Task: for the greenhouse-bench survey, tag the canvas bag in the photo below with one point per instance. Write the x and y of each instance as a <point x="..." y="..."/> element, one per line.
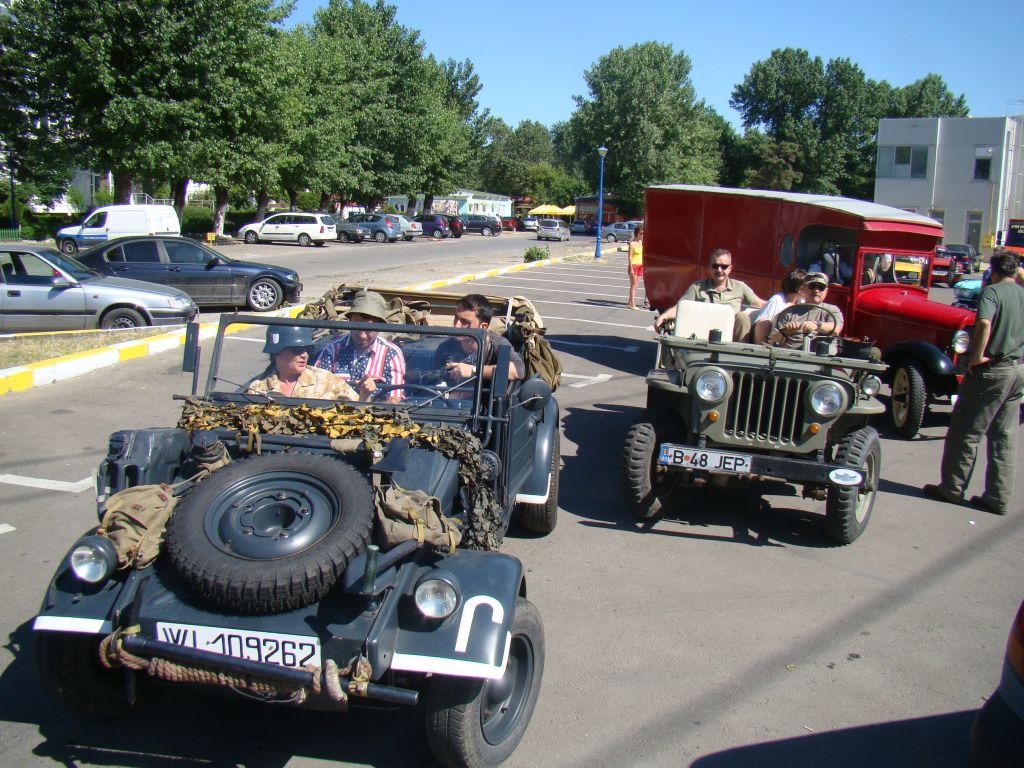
<point x="404" y="515"/>
<point x="134" y="520"/>
<point x="524" y="328"/>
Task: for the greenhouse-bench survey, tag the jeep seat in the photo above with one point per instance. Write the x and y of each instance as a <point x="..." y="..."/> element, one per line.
<point x="696" y="319"/>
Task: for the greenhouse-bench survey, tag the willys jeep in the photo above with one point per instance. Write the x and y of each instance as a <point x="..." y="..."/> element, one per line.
<point x="722" y="413"/>
<point x="285" y="572"/>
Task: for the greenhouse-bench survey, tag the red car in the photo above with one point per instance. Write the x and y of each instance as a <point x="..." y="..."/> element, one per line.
<point x="946" y="268"/>
<point x="511" y="224"/>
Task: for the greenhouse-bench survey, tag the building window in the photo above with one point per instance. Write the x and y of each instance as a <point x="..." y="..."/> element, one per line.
<point x="902" y="162"/>
<point x="982" y="163"/>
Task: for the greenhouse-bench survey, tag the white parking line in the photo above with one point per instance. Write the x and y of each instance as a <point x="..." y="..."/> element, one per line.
<point x="598" y="322"/>
<point x="559" y="343"/>
<point x="5" y="528"/>
<point x="555" y="290"/>
<point x="588" y="381"/>
<point x="48" y="485"/>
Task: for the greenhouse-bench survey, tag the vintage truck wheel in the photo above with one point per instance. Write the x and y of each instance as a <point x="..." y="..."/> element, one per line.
<point x="908" y="399"/>
<point x="271" y="533"/>
<point x="473" y="722"/>
<point x="69" y="667"/>
<point x="645" y="491"/>
<point x="542" y="518"/>
<point x="848" y="509"/>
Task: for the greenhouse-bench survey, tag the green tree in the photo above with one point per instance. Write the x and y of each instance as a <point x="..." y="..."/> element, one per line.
<point x="643" y="107"/>
<point x="927" y="97"/>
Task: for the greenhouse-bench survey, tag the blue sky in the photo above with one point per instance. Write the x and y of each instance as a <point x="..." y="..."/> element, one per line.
<point x="531" y="56"/>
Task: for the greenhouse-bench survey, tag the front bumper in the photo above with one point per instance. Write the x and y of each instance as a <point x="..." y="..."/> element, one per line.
<point x="292" y="293"/>
<point x="169" y="316"/>
<point x="788" y="469"/>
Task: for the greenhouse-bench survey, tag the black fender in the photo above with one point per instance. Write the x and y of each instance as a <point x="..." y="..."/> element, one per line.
<point x="71" y="605"/>
<point x="537" y="485"/>
<point x="474" y="641"/>
<point x="934" y="361"/>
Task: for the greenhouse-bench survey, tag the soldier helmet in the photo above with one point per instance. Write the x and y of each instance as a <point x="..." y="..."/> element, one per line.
<point x="283" y="336"/>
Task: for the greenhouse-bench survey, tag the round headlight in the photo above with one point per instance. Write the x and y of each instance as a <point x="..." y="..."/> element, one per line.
<point x="94" y="559"/>
<point x="961" y="342"/>
<point x="870" y="385"/>
<point x="711" y="386"/>
<point x="436" y="598"/>
<point x="827" y="400"/>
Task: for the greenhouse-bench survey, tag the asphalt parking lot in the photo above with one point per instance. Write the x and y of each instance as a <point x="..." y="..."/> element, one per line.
<point x="728" y="633"/>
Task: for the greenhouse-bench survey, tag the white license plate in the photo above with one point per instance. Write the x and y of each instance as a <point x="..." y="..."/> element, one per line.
<point x="693" y="458"/>
<point x="294" y="651"/>
<point x="940" y="272"/>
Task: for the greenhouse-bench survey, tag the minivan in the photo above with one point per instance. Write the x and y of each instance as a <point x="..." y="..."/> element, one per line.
<point x="113" y="221"/>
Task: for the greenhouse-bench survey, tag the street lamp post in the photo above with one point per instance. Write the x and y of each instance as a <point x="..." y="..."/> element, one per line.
<point x="602" y="151"/>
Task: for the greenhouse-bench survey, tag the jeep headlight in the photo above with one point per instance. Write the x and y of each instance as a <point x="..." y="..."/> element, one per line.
<point x="437" y="595"/>
<point x="93" y="559"/>
<point x="961" y="342"/>
<point x="711" y="386"/>
<point x="827" y="400"/>
<point x="870" y="385"/>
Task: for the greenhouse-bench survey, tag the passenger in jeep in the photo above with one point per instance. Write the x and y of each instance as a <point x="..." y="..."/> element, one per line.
<point x="475" y="311"/>
<point x="290" y="373"/>
<point x="812" y="318"/>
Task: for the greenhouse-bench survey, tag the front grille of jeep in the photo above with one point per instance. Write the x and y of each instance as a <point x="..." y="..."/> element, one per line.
<point x="765" y="409"/>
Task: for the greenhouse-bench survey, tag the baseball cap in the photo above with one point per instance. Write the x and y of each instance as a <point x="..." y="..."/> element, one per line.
<point x="815" y="278"/>
<point x="370" y="304"/>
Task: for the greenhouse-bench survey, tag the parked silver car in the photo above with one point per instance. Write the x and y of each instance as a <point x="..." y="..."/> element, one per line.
<point x="410" y="228"/>
<point x="41" y="289"/>
<point x="552" y="229"/>
<point x="619" y="231"/>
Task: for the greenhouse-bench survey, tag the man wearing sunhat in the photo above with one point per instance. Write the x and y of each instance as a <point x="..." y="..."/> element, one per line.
<point x="812" y="318"/>
<point x="362" y="357"/>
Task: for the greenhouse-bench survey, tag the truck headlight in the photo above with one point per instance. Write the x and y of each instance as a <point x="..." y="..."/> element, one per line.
<point x="437" y="595"/>
<point x="961" y="342"/>
<point x="711" y="386"/>
<point x="94" y="559"/>
<point x="870" y="385"/>
<point x="827" y="400"/>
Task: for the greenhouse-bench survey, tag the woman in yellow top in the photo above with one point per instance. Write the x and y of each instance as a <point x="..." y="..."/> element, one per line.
<point x="636" y="265"/>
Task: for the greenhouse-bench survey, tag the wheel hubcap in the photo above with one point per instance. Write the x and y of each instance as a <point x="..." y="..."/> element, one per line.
<point x="263" y="296"/>
<point x="504" y="699"/>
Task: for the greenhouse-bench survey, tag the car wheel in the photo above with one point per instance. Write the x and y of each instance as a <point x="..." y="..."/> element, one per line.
<point x="271" y="533"/>
<point x="304" y="239"/>
<point x="848" y="508"/>
<point x="645" y="488"/>
<point x="70" y="670"/>
<point x="542" y="518"/>
<point x="481" y="722"/>
<point x="349" y="238"/>
<point x="251" y="237"/>
<point x="122" y="319"/>
<point x="486" y="231"/>
<point x="69" y="247"/>
<point x="437" y="234"/>
<point x="319" y="243"/>
<point x="908" y="399"/>
<point x="264" y="295"/>
<point x="457" y="235"/>
<point x="610" y="239"/>
<point x="408" y="238"/>
<point x="380" y="237"/>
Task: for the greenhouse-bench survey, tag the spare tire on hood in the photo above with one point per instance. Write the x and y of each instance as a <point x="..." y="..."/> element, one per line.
<point x="271" y="533"/>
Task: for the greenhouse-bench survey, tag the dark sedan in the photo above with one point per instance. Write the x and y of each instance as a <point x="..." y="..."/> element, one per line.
<point x="208" y="276"/>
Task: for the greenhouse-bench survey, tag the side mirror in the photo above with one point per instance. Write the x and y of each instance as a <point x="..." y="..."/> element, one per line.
<point x="534" y="394"/>
<point x="60" y="283"/>
<point x="213" y="262"/>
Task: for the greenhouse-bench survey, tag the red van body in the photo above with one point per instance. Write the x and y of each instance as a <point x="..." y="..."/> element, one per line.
<point x="852" y="241"/>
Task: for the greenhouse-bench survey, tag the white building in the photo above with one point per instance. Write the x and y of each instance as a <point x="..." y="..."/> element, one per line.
<point x="967" y="172"/>
<point x="459" y="202"/>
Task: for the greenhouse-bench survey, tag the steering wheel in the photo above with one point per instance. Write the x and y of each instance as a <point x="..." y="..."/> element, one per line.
<point x="383" y="388"/>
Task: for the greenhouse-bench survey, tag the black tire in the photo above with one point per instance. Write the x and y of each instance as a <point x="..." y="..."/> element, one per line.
<point x="408" y="238"/>
<point x="645" y="491"/>
<point x="304" y="239"/>
<point x="251" y="237"/>
<point x="457" y="235"/>
<point x="909" y="399"/>
<point x="70" y="670"/>
<point x="305" y="518"/>
<point x="611" y="239"/>
<point x="848" y="510"/>
<point x="472" y="722"/>
<point x="349" y="238"/>
<point x="122" y="319"/>
<point x="438" y="234"/>
<point x="264" y="295"/>
<point x="486" y="232"/>
<point x="542" y="518"/>
<point x="319" y="243"/>
<point x="380" y="237"/>
<point x="70" y="247"/>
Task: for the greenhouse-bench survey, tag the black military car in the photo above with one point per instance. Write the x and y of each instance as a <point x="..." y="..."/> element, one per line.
<point x="284" y="573"/>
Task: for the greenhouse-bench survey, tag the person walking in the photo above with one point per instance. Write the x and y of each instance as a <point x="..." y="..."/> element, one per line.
<point x="635" y="267"/>
<point x="989" y="399"/>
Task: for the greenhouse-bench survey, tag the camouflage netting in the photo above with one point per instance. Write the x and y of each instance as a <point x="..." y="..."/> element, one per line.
<point x="335" y="304"/>
<point x="376" y="427"/>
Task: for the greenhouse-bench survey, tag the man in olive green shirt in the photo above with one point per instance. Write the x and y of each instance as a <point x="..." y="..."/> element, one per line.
<point x="721" y="289"/>
<point x="988" y="402"/>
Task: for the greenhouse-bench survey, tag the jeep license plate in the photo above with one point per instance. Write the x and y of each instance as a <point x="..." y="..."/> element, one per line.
<point x="713" y="461"/>
<point x="295" y="651"/>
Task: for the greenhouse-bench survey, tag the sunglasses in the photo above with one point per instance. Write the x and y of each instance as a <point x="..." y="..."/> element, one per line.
<point x="300" y="350"/>
<point x="721" y="266"/>
<point x="817" y="287"/>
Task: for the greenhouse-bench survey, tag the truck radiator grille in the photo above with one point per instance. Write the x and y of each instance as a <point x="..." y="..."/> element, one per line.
<point x="765" y="409"/>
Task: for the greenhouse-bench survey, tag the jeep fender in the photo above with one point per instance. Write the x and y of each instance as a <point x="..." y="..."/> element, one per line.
<point x="472" y="642"/>
<point x="934" y="361"/>
<point x="72" y="606"/>
<point x="537" y="485"/>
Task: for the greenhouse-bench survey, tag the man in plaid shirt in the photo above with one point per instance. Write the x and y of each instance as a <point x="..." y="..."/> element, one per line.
<point x="362" y="357"/>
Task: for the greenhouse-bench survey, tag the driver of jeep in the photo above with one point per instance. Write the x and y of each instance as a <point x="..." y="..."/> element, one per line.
<point x="459" y="353"/>
<point x="289" y="372"/>
<point x="362" y="357"/>
<point x="812" y="318"/>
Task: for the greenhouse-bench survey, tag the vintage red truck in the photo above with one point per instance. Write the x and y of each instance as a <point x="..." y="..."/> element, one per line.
<point x="877" y="258"/>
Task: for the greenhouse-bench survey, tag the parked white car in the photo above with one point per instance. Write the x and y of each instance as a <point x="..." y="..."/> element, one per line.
<point x="301" y="228"/>
<point x="112" y="221"/>
<point x="552" y="229"/>
<point x="410" y="228"/>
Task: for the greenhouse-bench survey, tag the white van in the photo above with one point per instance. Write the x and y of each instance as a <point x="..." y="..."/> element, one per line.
<point x="112" y="221"/>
